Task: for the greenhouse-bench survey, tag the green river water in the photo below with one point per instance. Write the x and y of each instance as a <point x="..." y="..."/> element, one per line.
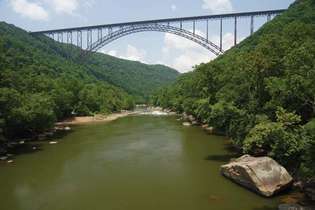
<point x="134" y="163"/>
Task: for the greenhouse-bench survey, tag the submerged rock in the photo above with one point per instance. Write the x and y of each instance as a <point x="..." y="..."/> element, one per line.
<point x="209" y="130"/>
<point x="309" y="189"/>
<point x="294" y="207"/>
<point x="186" y="124"/>
<point x="260" y="174"/>
<point x="3" y="158"/>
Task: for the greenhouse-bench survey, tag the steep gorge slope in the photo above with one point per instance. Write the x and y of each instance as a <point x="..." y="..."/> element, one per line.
<point x="260" y="93"/>
<point x="138" y="79"/>
<point x="42" y="81"/>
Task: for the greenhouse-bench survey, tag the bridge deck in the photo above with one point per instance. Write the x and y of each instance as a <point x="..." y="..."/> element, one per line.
<point x="169" y="20"/>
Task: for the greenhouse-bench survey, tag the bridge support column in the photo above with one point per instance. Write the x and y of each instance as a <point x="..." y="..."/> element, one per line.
<point x="89" y="38"/>
<point x="235" y="30"/>
<point x="221" y="34"/>
<point x="79" y="39"/>
<point x="268" y="17"/>
<point x="69" y="37"/>
<point x="251" y="25"/>
<point x="99" y="34"/>
<point x="207" y="28"/>
<point x="194" y="27"/>
<point x="110" y="30"/>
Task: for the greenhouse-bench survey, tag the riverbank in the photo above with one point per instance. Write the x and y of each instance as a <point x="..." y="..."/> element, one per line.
<point x="140" y="110"/>
<point x="94" y="119"/>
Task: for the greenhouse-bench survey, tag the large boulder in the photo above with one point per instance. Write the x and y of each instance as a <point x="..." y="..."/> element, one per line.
<point x="261" y="174"/>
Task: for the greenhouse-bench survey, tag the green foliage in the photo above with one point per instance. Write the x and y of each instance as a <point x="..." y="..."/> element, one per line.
<point x="32" y="115"/>
<point x="283" y="140"/>
<point x="42" y="81"/>
<point x="136" y="78"/>
<point x="222" y="114"/>
<point x="308" y="166"/>
<point x="246" y="91"/>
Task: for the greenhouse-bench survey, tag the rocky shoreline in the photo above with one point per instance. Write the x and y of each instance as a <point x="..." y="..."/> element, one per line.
<point x="306" y="188"/>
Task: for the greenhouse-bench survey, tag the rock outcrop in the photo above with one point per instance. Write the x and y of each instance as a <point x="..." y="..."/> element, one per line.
<point x="260" y="174"/>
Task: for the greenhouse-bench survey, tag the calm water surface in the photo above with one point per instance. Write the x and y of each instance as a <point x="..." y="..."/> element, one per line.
<point x="134" y="163"/>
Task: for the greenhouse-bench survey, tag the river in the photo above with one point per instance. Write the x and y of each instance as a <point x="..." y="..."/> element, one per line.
<point x="133" y="163"/>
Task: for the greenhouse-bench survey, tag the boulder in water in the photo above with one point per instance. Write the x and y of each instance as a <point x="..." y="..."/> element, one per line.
<point x="260" y="174"/>
<point x="3" y="158"/>
<point x="186" y="124"/>
<point x="309" y="189"/>
<point x="294" y="207"/>
<point x="209" y="130"/>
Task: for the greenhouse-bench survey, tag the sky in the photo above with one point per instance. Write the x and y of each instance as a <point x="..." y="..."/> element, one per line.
<point x="146" y="47"/>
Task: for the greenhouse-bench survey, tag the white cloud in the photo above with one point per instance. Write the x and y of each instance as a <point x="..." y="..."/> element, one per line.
<point x="188" y="54"/>
<point x="65" y="6"/>
<point x="131" y="53"/>
<point x="227" y="40"/>
<point x="173" y="7"/>
<point x="135" y="54"/>
<point x="217" y="6"/>
<point x="28" y="9"/>
<point x="188" y="59"/>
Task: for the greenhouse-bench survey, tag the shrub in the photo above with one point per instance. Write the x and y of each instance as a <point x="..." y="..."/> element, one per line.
<point x="222" y="114"/>
<point x="283" y="140"/>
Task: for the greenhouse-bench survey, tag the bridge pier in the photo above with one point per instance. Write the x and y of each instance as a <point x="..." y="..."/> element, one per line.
<point x="207" y="28"/>
<point x="79" y="39"/>
<point x="251" y="25"/>
<point x="221" y="34"/>
<point x="235" y="31"/>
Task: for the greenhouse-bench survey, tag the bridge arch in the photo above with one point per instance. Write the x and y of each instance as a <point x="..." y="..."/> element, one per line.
<point x="127" y="30"/>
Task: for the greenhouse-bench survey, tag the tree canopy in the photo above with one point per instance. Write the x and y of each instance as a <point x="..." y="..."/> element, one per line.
<point x="261" y="92"/>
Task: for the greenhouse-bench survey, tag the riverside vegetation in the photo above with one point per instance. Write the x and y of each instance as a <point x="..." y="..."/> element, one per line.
<point x="261" y="93"/>
<point x="42" y="81"/>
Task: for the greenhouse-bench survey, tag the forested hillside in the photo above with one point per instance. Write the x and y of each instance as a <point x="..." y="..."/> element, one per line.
<point x="260" y="93"/>
<point x="42" y="81"/>
<point x="136" y="78"/>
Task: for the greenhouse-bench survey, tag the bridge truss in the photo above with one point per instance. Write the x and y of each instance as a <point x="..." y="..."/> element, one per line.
<point x="92" y="38"/>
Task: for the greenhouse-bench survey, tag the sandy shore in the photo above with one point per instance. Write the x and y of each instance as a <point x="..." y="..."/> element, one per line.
<point x="94" y="119"/>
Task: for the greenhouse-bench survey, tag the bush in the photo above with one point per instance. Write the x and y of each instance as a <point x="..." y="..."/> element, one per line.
<point x="222" y="114"/>
<point x="283" y="140"/>
<point x="308" y="166"/>
<point x="34" y="114"/>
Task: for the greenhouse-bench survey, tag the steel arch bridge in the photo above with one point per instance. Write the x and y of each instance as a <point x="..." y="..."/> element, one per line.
<point x="92" y="38"/>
